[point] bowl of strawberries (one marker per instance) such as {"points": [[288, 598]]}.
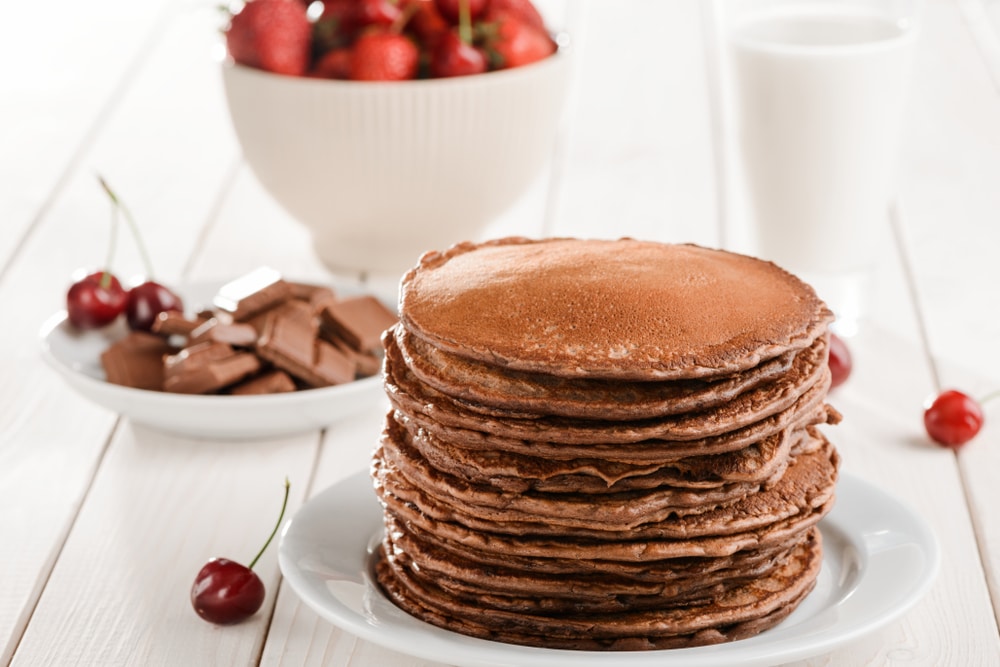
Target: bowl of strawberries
{"points": [[390, 127]]}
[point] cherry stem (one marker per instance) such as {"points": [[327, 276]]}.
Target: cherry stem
{"points": [[112, 243], [274, 532], [464, 22], [132, 226], [404, 18]]}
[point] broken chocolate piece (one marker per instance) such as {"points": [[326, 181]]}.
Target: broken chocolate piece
{"points": [[237, 334], [289, 342], [250, 294], [173, 323], [136, 361], [359, 321], [273, 382], [207, 367]]}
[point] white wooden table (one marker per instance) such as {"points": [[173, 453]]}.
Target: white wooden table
{"points": [[104, 523]]}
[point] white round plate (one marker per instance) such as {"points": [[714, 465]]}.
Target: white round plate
{"points": [[76, 355], [879, 559]]}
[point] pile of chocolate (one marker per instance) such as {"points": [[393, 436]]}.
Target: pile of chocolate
{"points": [[262, 335]]}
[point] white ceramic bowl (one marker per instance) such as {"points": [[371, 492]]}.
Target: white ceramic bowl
{"points": [[381, 172]]}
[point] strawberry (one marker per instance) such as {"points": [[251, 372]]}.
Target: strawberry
{"points": [[383, 56], [522, 10], [514, 43], [274, 35], [334, 64]]}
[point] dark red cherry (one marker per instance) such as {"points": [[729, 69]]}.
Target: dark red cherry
{"points": [[226, 592], [451, 10], [95, 300], [840, 361], [953, 419], [454, 57], [146, 301]]}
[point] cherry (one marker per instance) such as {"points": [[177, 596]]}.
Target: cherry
{"points": [[454, 57], [146, 301], [427, 24], [95, 300], [953, 419], [840, 361], [451, 10], [377, 12], [334, 64], [516, 43], [225, 592]]}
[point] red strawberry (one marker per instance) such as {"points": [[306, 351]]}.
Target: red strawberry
{"points": [[516, 43], [383, 56], [335, 64], [522, 10], [274, 35], [454, 57]]}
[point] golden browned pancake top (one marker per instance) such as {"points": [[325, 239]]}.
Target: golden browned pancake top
{"points": [[616, 309]]}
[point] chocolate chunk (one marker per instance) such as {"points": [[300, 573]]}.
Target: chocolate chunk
{"points": [[207, 367], [315, 295], [289, 342], [272, 382], [359, 321], [366, 363], [197, 355], [173, 323], [250, 294], [136, 361], [237, 334]]}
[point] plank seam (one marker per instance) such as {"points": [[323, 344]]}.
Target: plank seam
{"points": [[21, 625], [90, 135]]}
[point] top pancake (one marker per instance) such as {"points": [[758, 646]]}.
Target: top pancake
{"points": [[622, 309]]}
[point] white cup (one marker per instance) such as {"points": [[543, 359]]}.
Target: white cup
{"points": [[815, 95]]}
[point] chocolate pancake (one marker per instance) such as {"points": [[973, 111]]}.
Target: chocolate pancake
{"points": [[622, 309], [809, 373], [677, 625], [512, 472], [404, 535], [480, 385], [808, 410], [440, 503], [530, 591], [609, 584]]}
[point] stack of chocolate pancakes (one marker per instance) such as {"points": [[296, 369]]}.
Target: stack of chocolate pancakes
{"points": [[603, 444]]}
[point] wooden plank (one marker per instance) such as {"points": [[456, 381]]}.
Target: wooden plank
{"points": [[882, 440], [954, 156], [160, 507], [52, 65], [49, 462], [950, 168], [638, 163]]}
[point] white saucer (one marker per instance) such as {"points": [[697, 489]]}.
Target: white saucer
{"points": [[76, 355], [879, 559]]}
